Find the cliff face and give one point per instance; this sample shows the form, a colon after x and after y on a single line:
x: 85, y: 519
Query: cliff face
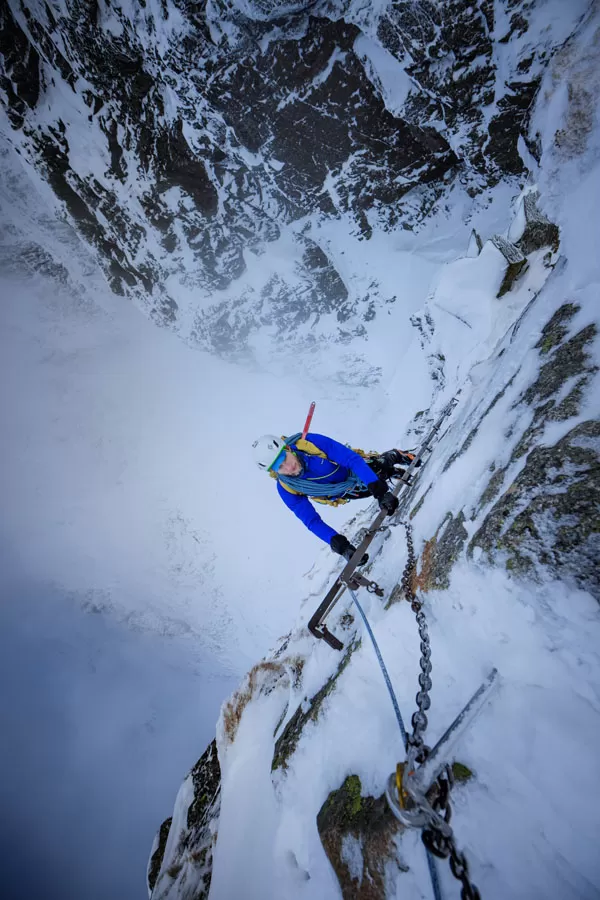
x: 187, y: 140
x: 249, y: 173
x: 506, y: 529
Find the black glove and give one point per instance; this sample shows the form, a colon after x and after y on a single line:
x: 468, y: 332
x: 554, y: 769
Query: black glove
x: 378, y: 488
x: 340, y: 544
x: 405, y: 459
x: 387, y: 501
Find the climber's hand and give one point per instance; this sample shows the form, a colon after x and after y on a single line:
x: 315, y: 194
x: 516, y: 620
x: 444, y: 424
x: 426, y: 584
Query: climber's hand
x: 340, y: 544
x: 378, y: 488
x: 389, y: 503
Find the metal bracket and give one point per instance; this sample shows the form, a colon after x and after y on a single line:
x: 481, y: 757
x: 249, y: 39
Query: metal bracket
x: 357, y: 580
x: 415, y: 812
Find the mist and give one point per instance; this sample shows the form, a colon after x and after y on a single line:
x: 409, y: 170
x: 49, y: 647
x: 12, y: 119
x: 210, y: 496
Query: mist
x: 98, y: 726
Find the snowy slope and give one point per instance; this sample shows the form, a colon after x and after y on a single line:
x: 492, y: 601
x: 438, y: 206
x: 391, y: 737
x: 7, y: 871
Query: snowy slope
x: 503, y: 517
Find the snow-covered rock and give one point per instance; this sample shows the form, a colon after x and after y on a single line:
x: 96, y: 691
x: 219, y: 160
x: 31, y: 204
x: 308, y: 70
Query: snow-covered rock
x: 186, y: 142
x: 274, y: 181
x: 505, y: 518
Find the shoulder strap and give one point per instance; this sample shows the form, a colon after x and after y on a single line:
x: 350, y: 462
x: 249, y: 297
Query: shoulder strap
x: 308, y: 447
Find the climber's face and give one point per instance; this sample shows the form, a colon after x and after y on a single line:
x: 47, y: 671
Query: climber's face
x: 290, y: 465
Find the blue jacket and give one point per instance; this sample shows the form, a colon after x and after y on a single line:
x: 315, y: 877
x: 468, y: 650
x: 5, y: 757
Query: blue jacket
x: 341, y: 460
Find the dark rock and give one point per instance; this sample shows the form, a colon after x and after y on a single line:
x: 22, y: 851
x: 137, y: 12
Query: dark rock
x: 20, y: 78
x: 510, y: 123
x: 516, y: 263
x: 206, y: 776
x: 539, y: 231
x: 358, y: 835
x: 157, y: 857
x: 177, y: 166
x: 192, y: 856
x: 328, y: 283
x: 549, y: 515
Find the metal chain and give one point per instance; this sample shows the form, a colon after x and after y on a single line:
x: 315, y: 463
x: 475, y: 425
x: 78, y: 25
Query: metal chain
x: 439, y: 840
x: 419, y: 719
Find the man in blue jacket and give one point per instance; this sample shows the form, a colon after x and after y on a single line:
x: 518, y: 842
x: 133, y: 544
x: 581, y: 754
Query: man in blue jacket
x: 318, y: 468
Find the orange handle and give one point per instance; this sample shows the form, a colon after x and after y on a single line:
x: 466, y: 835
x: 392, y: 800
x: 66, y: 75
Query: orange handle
x: 308, y: 419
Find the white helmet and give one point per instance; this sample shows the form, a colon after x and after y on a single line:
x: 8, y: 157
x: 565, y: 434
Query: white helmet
x: 266, y: 450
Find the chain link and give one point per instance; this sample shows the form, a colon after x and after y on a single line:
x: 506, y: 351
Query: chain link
x: 419, y: 720
x: 437, y: 838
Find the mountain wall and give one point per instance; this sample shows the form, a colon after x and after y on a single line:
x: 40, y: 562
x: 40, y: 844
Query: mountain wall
x: 190, y: 142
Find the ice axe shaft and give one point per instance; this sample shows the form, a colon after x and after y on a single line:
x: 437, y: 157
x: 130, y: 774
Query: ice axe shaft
x: 308, y: 419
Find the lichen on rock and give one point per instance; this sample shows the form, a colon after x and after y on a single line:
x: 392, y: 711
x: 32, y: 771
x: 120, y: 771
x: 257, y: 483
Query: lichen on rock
x: 361, y: 837
x: 549, y: 515
x: 440, y: 553
x: 557, y: 328
x: 539, y: 231
x: 358, y: 835
x: 516, y: 263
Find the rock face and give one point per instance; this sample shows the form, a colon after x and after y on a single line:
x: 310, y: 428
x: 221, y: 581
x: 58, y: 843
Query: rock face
x: 182, y: 137
x: 307, y: 711
x: 182, y: 856
x: 358, y: 836
x: 549, y: 513
x: 542, y: 515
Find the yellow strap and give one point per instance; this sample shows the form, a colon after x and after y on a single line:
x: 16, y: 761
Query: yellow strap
x: 310, y: 448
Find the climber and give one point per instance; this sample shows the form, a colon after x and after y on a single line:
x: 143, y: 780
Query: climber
x: 321, y: 469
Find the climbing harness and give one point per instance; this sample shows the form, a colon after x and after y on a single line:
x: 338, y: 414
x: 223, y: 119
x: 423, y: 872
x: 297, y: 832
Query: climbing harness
x: 349, y: 578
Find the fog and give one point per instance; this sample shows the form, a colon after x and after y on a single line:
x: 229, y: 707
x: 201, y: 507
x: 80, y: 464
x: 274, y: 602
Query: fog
x: 145, y: 563
x: 110, y: 692
x: 99, y: 726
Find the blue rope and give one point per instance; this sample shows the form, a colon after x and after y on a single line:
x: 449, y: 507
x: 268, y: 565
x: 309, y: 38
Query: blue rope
x: 383, y: 669
x: 433, y: 874
x: 330, y: 489
x: 311, y: 488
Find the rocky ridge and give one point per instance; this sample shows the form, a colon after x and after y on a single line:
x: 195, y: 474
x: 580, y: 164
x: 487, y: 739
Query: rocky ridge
x: 182, y: 138
x: 535, y: 520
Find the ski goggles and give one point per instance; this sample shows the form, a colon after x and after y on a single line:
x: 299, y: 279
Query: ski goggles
x: 274, y: 467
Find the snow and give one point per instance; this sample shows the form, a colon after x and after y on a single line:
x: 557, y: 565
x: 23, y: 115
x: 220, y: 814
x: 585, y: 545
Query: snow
x: 126, y: 485
x: 385, y: 71
x: 247, y: 775
x: 528, y: 818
